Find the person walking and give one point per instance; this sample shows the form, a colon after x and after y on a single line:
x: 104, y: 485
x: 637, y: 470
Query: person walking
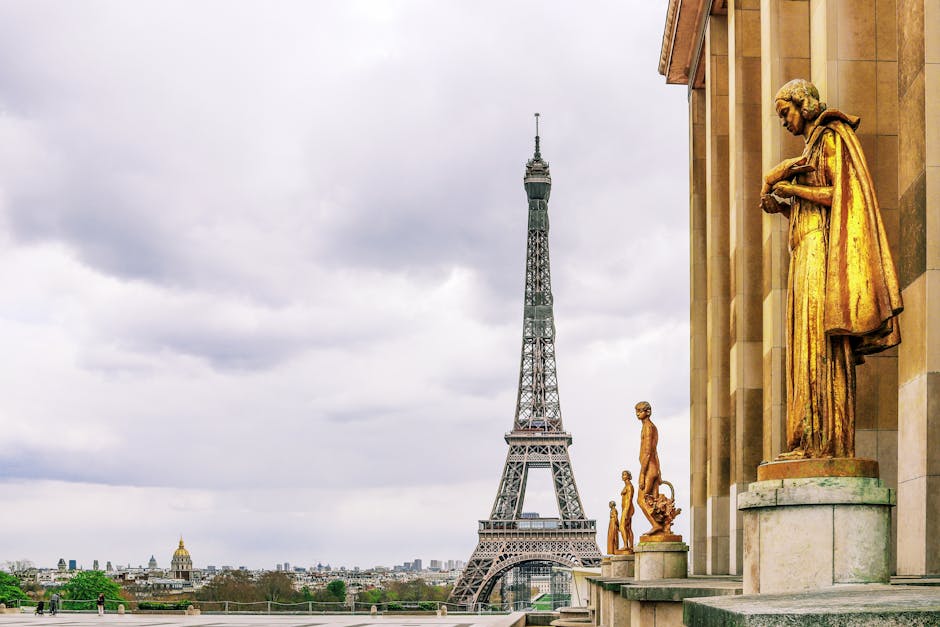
x: 39, y: 607
x: 54, y: 604
x: 101, y: 604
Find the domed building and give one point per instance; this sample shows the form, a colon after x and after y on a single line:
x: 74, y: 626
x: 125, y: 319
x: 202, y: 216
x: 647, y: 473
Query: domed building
x: 181, y: 566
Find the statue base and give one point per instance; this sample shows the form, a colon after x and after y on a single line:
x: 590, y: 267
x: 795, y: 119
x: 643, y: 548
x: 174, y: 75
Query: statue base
x: 622, y: 566
x: 810, y: 533
x: 661, y: 537
x: 605, y: 566
x: 661, y: 560
x: 831, y: 467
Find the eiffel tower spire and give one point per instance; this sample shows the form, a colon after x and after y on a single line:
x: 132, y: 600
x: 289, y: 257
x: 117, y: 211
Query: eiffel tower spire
x: 537, y: 405
x: 538, y: 439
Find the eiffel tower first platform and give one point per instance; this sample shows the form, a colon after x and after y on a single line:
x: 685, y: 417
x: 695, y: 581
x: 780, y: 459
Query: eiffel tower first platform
x: 537, y: 440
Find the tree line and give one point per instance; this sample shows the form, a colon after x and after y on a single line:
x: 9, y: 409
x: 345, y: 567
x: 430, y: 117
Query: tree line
x: 233, y: 586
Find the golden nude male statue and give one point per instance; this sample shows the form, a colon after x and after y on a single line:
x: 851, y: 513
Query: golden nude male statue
x: 626, y: 511
x: 843, y: 297
x: 659, y: 509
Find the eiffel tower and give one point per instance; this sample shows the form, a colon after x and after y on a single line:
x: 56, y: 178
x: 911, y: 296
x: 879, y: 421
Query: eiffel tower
x: 537, y: 440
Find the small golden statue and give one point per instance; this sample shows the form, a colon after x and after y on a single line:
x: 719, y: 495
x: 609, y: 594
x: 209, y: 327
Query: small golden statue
x: 843, y: 297
x: 613, y: 533
x: 659, y: 509
x: 626, y: 509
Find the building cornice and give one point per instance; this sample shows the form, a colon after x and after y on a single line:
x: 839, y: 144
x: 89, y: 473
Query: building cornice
x: 680, y: 58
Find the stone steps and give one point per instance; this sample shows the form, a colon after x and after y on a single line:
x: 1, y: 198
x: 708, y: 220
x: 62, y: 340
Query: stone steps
x: 572, y: 617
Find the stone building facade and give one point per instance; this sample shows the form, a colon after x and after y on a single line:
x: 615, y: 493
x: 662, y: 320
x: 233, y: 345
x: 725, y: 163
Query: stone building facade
x: 879, y: 59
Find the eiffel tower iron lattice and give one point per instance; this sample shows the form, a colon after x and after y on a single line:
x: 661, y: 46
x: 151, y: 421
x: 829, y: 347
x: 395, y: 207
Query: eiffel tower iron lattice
x: 537, y: 440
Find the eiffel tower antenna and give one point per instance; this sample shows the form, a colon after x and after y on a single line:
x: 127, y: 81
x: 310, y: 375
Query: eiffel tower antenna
x: 508, y: 539
x: 538, y: 153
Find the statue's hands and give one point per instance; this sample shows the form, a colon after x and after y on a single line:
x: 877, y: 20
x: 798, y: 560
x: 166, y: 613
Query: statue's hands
x: 769, y: 204
x: 783, y: 170
x: 784, y: 189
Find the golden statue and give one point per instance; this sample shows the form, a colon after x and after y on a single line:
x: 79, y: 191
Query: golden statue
x: 613, y: 534
x: 613, y: 531
x: 659, y: 509
x: 626, y: 509
x: 843, y: 296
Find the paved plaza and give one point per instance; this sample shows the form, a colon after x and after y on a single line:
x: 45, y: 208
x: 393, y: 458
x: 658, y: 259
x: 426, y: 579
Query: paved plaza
x: 276, y: 620
x: 238, y: 620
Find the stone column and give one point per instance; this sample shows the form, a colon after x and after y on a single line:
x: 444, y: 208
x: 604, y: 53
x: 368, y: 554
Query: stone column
x: 698, y: 384
x: 918, y: 24
x: 745, y: 218
x: 785, y: 55
x: 717, y: 232
x: 854, y: 65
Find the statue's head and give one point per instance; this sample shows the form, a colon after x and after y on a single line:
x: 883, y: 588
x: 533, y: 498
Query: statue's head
x: 612, y: 505
x: 643, y: 410
x: 797, y: 103
x: 625, y: 475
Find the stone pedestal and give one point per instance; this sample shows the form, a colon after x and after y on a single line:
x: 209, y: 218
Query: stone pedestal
x: 622, y: 566
x: 661, y: 560
x: 605, y: 567
x: 810, y: 533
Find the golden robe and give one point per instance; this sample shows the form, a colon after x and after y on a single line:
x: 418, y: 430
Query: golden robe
x: 842, y: 294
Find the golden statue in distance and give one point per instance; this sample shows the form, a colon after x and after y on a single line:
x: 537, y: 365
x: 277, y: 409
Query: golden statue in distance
x: 659, y: 509
x: 613, y: 533
x: 626, y: 509
x: 843, y: 296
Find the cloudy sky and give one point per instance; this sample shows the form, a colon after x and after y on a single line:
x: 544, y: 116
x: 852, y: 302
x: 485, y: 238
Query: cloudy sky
x: 262, y: 270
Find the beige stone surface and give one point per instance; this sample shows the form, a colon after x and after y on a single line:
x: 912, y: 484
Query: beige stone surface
x: 885, y: 171
x: 661, y: 560
x: 911, y: 131
x: 912, y: 353
x: 855, y: 25
x: 933, y: 222
x: 620, y: 612
x: 793, y: 28
x: 912, y: 520
x: 792, y: 559
x: 932, y: 30
x: 932, y: 113
x: 912, y: 430
x: 751, y: 559
x: 886, y: 29
x: 886, y: 99
x: 861, y: 536
x: 858, y: 94
x: 622, y: 566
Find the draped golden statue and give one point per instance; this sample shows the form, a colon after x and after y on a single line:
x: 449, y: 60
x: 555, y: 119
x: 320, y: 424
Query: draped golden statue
x: 626, y: 511
x: 843, y: 296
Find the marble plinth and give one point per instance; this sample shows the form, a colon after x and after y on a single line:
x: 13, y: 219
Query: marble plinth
x: 661, y: 560
x: 622, y: 566
x: 811, y: 533
x: 605, y: 567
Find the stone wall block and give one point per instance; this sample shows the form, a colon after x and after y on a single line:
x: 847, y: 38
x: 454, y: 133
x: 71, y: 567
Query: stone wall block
x: 856, y: 560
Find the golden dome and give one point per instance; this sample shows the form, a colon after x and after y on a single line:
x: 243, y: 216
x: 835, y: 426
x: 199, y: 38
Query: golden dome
x: 181, y: 551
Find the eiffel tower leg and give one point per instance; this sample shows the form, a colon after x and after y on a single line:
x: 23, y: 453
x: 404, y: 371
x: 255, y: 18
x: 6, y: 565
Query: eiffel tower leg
x: 467, y: 589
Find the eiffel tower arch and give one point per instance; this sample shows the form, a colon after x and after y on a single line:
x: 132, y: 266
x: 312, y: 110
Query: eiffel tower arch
x: 538, y: 440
